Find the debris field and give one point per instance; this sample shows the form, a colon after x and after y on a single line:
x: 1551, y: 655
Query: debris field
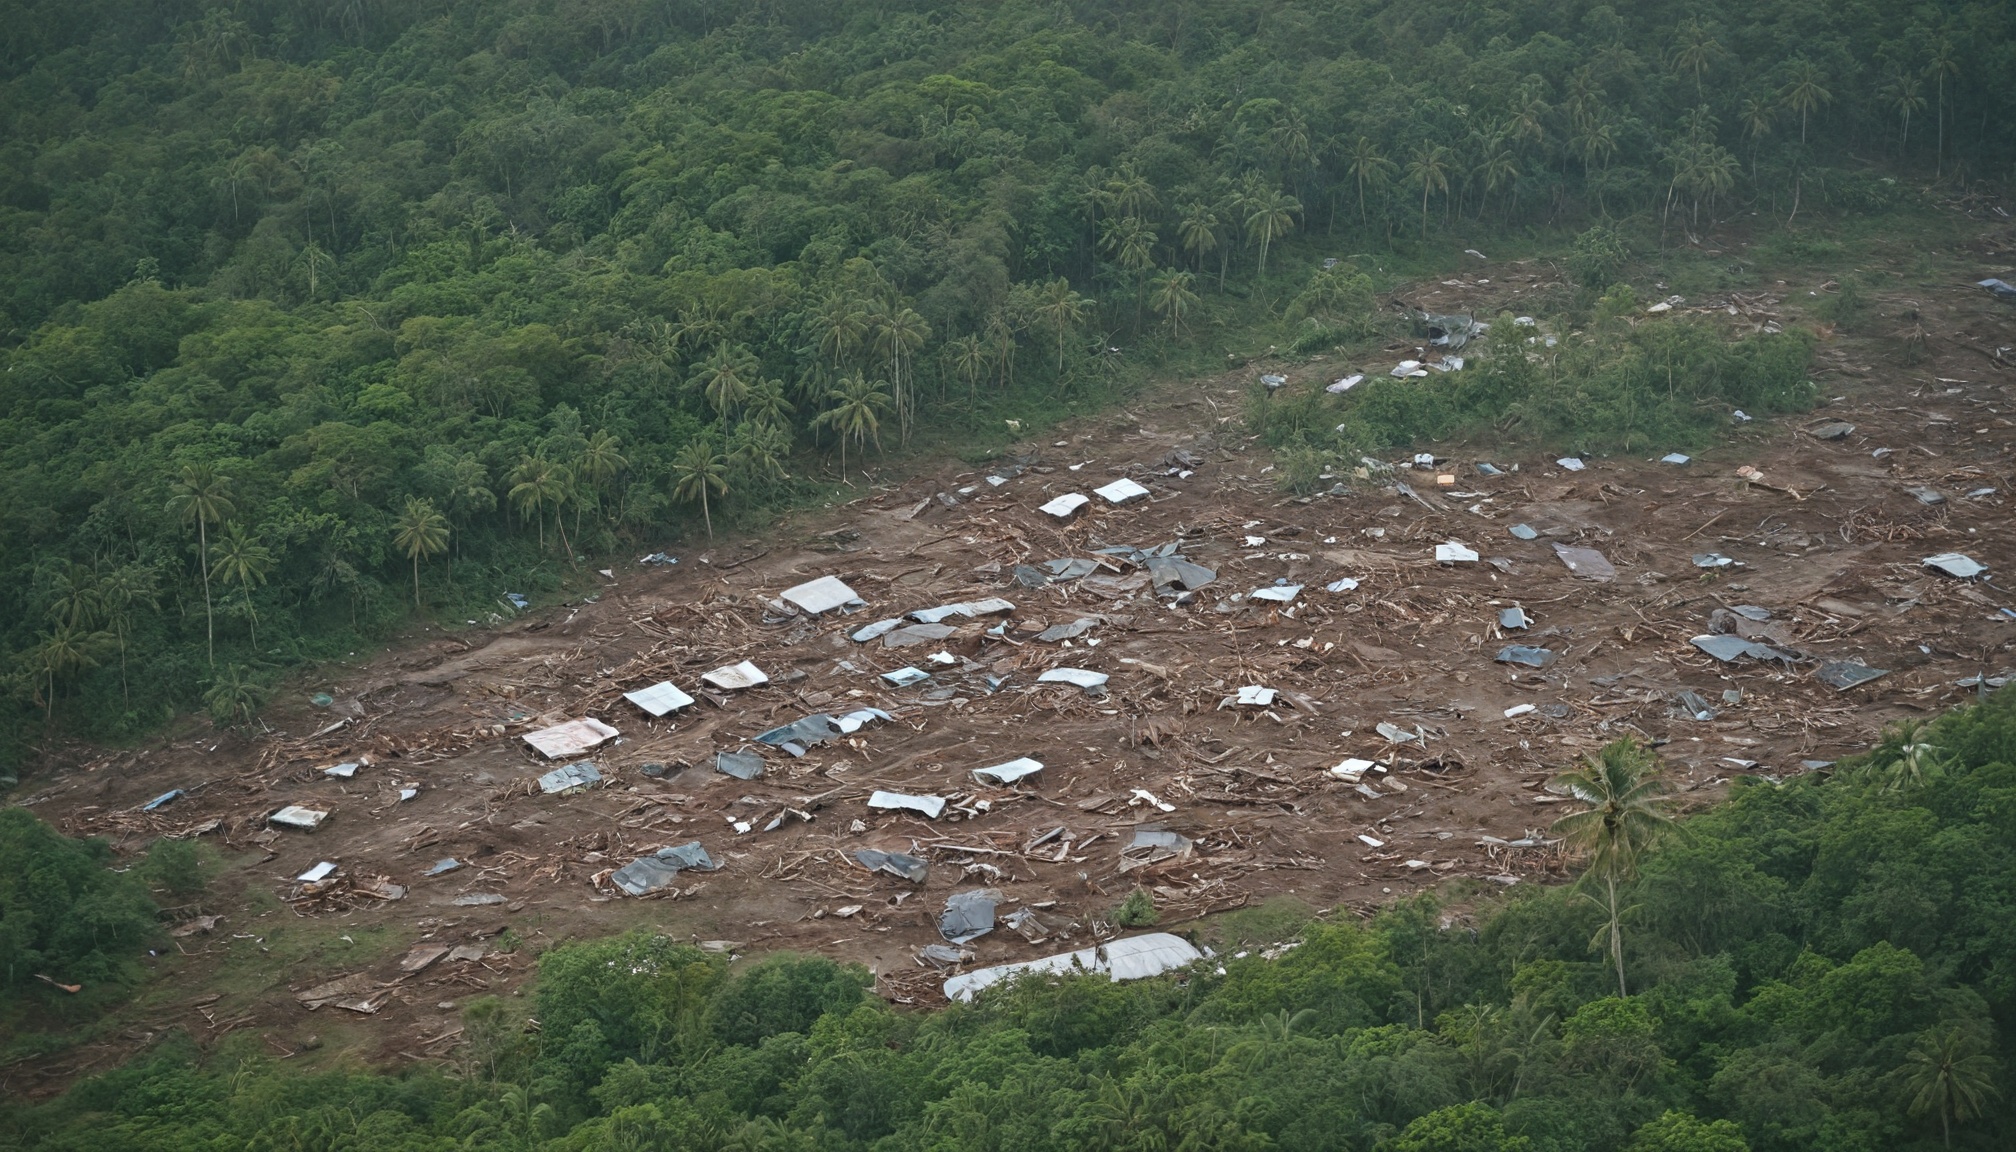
x: 956, y: 722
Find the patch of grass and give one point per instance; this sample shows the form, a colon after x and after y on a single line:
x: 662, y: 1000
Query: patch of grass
x: 1257, y: 925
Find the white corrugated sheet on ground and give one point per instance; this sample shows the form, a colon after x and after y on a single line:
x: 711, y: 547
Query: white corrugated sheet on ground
x: 295, y: 816
x: 1121, y: 491
x: 1066, y: 504
x: 1008, y: 773
x: 1133, y: 958
x: 735, y: 676
x: 821, y: 595
x: 930, y: 806
x: 571, y: 739
x: 659, y: 699
x: 1454, y: 553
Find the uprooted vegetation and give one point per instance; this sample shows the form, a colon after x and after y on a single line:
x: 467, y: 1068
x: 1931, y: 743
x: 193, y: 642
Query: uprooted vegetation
x: 1809, y: 968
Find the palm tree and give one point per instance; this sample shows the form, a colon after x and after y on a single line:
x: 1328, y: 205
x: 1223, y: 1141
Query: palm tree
x: 1270, y: 216
x: 968, y: 359
x: 1061, y: 310
x: 857, y: 407
x: 122, y: 592
x: 1902, y: 94
x: 899, y: 334
x: 64, y: 651
x: 756, y: 454
x: 469, y: 495
x: 1499, y: 169
x: 75, y: 598
x: 1942, y: 66
x: 419, y: 531
x: 1430, y: 169
x: 536, y: 485
x: 1948, y: 1074
x: 243, y: 561
x: 1198, y: 231
x: 1626, y: 815
x: 1803, y: 93
x: 1289, y: 141
x: 600, y: 462
x: 1367, y: 165
x: 233, y: 697
x: 1756, y: 115
x: 203, y: 495
x: 698, y: 471
x: 1696, y: 53
x: 1173, y: 299
x: 1904, y: 758
x: 721, y: 380
x: 767, y: 404
x: 1130, y: 192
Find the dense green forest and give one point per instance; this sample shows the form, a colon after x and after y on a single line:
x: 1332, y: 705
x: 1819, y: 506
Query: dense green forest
x: 1822, y: 965
x: 320, y: 312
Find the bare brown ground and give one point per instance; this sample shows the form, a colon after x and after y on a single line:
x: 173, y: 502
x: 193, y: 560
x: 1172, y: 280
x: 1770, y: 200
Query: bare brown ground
x: 1830, y: 542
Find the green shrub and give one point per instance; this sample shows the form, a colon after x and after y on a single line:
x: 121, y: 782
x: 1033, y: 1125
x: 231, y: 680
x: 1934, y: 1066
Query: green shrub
x: 1137, y: 911
x: 64, y: 913
x: 1598, y: 257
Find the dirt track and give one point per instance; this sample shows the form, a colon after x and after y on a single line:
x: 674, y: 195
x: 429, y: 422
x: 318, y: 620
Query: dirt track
x: 1828, y: 540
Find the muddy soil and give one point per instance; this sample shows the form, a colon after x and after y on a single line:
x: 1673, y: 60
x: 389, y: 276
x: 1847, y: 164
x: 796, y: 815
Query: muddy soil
x: 1826, y: 541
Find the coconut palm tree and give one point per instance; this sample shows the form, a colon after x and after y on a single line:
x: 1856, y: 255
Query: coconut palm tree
x: 1948, y: 1075
x: 536, y: 485
x: 858, y: 405
x: 243, y: 561
x: 1129, y: 192
x: 1943, y: 65
x: 1902, y: 94
x: 723, y: 379
x: 698, y: 471
x: 899, y: 334
x: 1756, y: 116
x: 1198, y: 231
x: 1625, y: 817
x: 419, y: 531
x: 1061, y: 310
x: 767, y: 405
x: 1173, y: 299
x: 122, y: 593
x: 64, y: 652
x: 1803, y: 93
x: 967, y: 357
x: 841, y: 325
x: 1430, y: 170
x: 1270, y: 215
x: 233, y: 697
x: 1367, y: 165
x: 1697, y: 52
x: 202, y: 495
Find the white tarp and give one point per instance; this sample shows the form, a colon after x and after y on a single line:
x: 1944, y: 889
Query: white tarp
x: 1081, y: 677
x: 573, y: 738
x: 1454, y: 553
x: 930, y: 806
x: 1064, y: 506
x: 1133, y: 958
x: 1254, y: 696
x: 1279, y: 593
x: 736, y: 676
x: 1121, y: 491
x: 1008, y: 773
x: 659, y: 699
x: 822, y: 595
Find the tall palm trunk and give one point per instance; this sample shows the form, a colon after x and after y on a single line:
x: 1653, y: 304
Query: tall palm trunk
x: 203, y: 560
